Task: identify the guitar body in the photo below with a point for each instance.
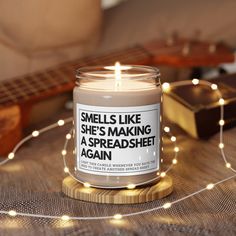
(10, 128)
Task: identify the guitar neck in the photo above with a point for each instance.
(181, 52)
(40, 85)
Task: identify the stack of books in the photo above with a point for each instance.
(196, 109)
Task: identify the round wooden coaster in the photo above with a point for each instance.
(76, 190)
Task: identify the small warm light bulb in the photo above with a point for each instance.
(167, 129)
(221, 122)
(35, 133)
(68, 136)
(176, 149)
(131, 186)
(163, 174)
(63, 152)
(11, 155)
(221, 145)
(117, 216)
(214, 87)
(221, 101)
(174, 161)
(66, 170)
(167, 205)
(195, 81)
(61, 122)
(228, 165)
(158, 173)
(87, 185)
(65, 217)
(165, 87)
(173, 138)
(12, 213)
(210, 186)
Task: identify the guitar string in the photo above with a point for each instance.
(15, 95)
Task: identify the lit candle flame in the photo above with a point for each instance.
(117, 68)
(117, 71)
(117, 75)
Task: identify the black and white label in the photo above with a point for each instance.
(118, 141)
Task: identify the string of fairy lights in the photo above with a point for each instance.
(166, 88)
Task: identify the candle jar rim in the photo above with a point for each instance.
(135, 72)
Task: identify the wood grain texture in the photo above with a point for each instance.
(76, 190)
(10, 128)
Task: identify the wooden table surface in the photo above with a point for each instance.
(32, 183)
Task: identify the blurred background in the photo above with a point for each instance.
(35, 35)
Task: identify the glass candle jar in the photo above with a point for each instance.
(117, 114)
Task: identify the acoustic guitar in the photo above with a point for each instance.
(18, 95)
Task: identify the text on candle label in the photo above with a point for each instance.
(118, 140)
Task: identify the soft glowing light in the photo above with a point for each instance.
(221, 122)
(117, 216)
(214, 87)
(68, 136)
(163, 174)
(63, 152)
(12, 213)
(173, 138)
(35, 133)
(176, 149)
(65, 217)
(61, 122)
(228, 165)
(66, 169)
(122, 67)
(221, 101)
(131, 186)
(165, 87)
(210, 186)
(11, 155)
(117, 71)
(87, 185)
(221, 145)
(195, 81)
(174, 161)
(167, 129)
(167, 205)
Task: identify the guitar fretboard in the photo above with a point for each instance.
(61, 79)
(180, 52)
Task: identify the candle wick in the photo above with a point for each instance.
(117, 75)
